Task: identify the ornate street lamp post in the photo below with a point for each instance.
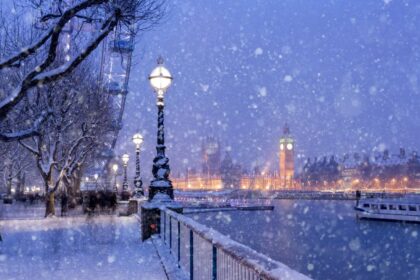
(161, 192)
(96, 176)
(138, 140)
(160, 80)
(125, 193)
(115, 169)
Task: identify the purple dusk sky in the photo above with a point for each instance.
(343, 74)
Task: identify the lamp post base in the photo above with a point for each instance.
(125, 195)
(150, 213)
(161, 186)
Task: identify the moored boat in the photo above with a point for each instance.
(405, 208)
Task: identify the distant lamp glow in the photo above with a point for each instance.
(125, 158)
(138, 139)
(96, 176)
(115, 169)
(160, 78)
(405, 179)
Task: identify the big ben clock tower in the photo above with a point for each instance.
(287, 159)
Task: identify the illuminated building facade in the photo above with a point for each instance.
(197, 182)
(377, 172)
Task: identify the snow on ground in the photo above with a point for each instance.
(168, 260)
(25, 210)
(101, 247)
(19, 210)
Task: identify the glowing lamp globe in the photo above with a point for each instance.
(115, 168)
(125, 158)
(160, 78)
(137, 139)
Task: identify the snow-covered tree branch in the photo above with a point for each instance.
(72, 133)
(39, 64)
(13, 162)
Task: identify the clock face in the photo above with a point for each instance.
(282, 146)
(289, 146)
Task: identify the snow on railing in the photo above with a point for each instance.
(204, 253)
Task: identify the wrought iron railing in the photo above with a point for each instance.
(204, 253)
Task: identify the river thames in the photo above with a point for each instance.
(324, 240)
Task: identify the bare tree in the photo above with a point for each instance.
(54, 17)
(14, 160)
(72, 133)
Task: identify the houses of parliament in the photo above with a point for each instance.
(380, 171)
(219, 172)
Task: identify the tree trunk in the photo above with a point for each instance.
(64, 204)
(9, 185)
(49, 204)
(64, 198)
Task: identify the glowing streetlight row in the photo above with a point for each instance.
(137, 140)
(160, 79)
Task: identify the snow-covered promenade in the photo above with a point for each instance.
(101, 247)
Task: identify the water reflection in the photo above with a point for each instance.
(324, 240)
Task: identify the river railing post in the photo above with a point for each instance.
(179, 244)
(191, 255)
(170, 234)
(164, 226)
(214, 263)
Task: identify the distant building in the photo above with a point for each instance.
(230, 173)
(287, 157)
(379, 171)
(350, 170)
(211, 156)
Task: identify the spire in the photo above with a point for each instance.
(286, 129)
